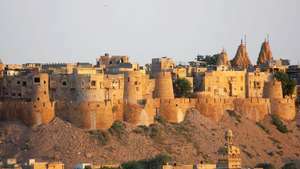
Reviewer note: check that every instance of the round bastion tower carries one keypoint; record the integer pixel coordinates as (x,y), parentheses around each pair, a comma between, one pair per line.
(135,111)
(132,87)
(273,90)
(164,86)
(284,108)
(42,109)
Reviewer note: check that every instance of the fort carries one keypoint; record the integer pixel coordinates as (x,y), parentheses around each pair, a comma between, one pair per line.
(95,96)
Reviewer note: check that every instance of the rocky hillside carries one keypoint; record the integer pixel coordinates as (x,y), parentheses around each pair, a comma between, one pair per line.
(194,140)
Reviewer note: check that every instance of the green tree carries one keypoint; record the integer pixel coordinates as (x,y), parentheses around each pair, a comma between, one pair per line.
(288,84)
(182,87)
(152,163)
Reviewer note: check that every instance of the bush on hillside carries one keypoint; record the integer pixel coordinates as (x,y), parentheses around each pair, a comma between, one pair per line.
(265,166)
(289,165)
(279,124)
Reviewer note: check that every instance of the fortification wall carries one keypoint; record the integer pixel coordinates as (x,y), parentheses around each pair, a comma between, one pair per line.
(89,115)
(213,108)
(30,113)
(253,108)
(173,110)
(139,115)
(284,108)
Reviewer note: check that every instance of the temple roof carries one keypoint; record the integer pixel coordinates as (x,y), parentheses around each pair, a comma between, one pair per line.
(241,59)
(223,58)
(265,53)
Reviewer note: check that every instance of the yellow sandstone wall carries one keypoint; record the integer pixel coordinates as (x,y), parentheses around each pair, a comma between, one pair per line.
(253,108)
(284,108)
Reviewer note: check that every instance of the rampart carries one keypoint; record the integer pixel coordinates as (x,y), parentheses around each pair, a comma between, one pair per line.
(30,113)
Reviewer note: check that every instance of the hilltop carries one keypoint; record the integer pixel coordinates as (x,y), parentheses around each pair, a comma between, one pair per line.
(196,138)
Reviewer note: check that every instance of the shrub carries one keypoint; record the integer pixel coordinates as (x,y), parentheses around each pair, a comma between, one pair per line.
(117,127)
(288,84)
(264,128)
(141,130)
(160,119)
(279,124)
(289,166)
(153,163)
(265,166)
(102,136)
(235,115)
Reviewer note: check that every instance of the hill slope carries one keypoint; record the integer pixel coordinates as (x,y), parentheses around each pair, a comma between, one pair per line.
(197,138)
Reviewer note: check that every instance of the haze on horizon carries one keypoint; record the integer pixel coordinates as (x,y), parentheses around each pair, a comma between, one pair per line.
(77,30)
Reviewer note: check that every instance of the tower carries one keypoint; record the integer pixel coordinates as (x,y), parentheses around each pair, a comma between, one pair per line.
(132,87)
(273,89)
(223,59)
(230,157)
(164,86)
(241,59)
(42,109)
(265,54)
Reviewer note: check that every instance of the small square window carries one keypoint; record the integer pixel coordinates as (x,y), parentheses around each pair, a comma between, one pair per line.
(36,80)
(24,83)
(93,83)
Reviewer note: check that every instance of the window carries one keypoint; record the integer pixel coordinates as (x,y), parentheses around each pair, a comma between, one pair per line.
(45,92)
(36,80)
(136,83)
(64,83)
(18,82)
(93,83)
(20,95)
(38,98)
(44,81)
(24,83)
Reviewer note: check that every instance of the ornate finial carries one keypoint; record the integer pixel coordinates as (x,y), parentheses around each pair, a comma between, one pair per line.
(268,37)
(245,39)
(229,137)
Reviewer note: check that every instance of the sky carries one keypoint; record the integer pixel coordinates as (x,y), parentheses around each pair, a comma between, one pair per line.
(50,31)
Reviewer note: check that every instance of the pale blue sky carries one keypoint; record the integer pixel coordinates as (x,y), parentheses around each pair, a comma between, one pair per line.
(80,30)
